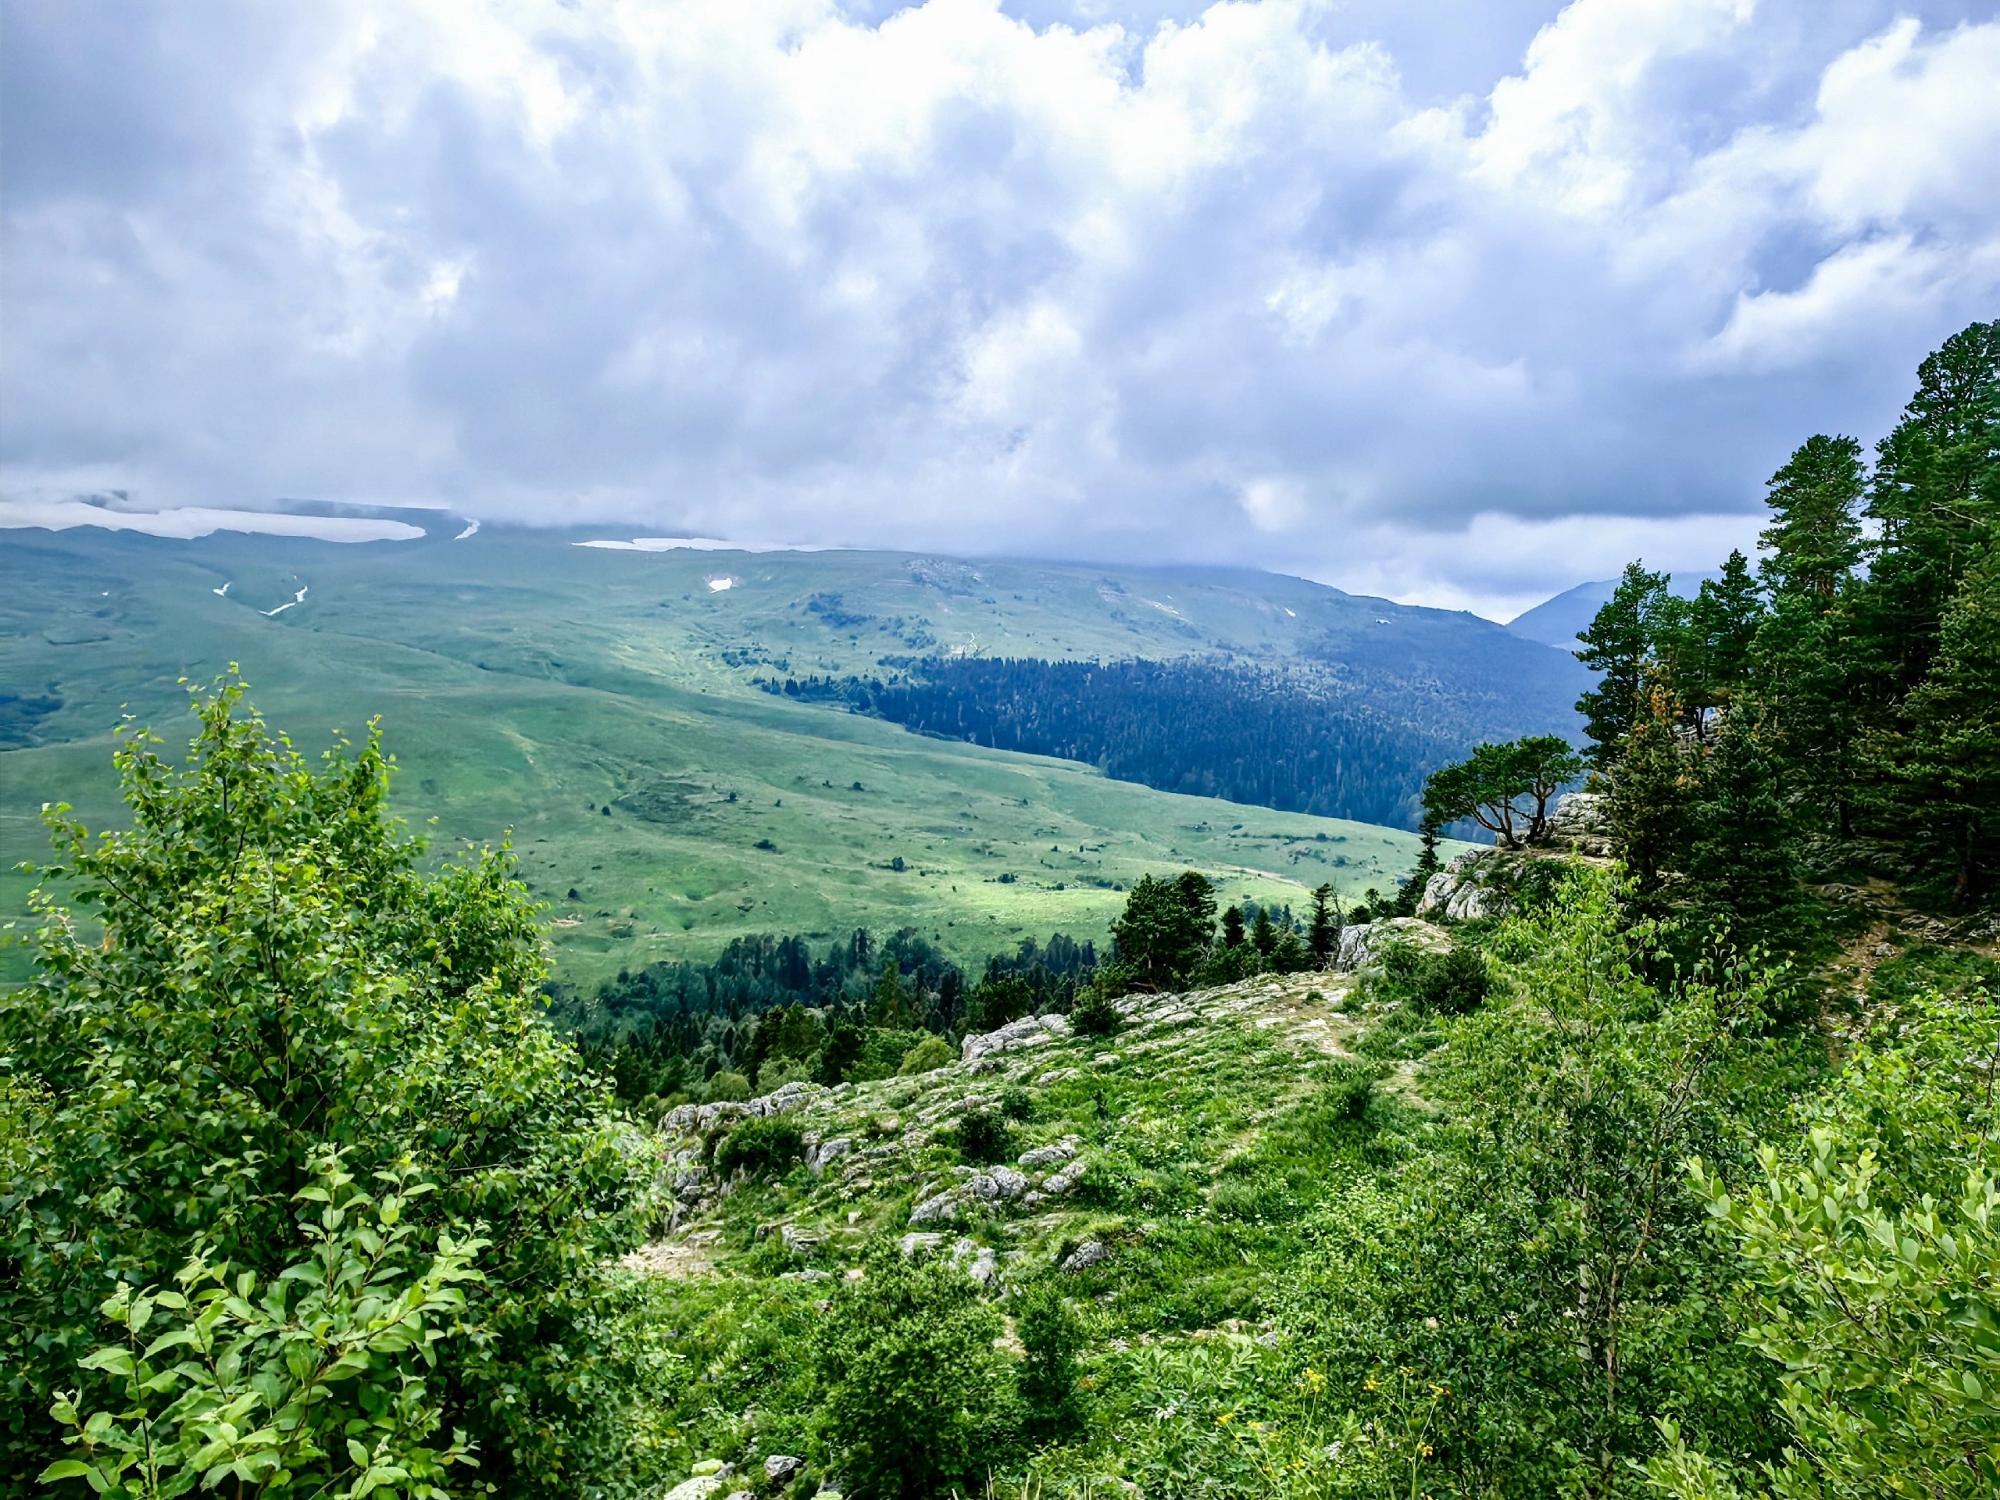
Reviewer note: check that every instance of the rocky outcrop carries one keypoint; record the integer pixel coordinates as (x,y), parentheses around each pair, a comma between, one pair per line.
(1581,824)
(1083,1257)
(698,1119)
(1363,944)
(1029,1031)
(1468,888)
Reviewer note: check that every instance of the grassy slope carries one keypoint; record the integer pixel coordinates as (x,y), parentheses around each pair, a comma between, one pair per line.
(526,684)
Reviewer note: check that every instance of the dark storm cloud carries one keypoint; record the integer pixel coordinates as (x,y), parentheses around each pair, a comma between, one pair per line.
(1460,302)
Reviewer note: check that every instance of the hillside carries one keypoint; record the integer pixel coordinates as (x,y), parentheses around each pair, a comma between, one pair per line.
(600,703)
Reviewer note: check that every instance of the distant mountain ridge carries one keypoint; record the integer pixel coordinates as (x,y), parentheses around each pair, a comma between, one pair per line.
(1558,621)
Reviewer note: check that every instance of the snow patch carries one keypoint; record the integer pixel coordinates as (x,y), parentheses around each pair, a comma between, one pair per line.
(702,544)
(721,585)
(297,599)
(471,529)
(223,592)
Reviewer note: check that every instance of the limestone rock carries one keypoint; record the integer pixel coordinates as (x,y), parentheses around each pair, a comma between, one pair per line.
(1062,1184)
(826,1153)
(1581,822)
(1083,1257)
(781,1466)
(1029,1031)
(697,1119)
(1051,1155)
(939,1209)
(980,1263)
(1000,1185)
(1362,945)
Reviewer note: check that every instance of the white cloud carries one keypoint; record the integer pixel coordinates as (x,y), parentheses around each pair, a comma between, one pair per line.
(1181,282)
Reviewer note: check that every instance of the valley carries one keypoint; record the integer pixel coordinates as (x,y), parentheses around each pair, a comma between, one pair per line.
(601,706)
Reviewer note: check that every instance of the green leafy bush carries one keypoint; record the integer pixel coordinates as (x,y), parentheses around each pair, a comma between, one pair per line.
(1052,1336)
(726,1088)
(911,1394)
(931,1053)
(983,1137)
(276,978)
(1871,1257)
(883,1049)
(231,1381)
(1453,983)
(762,1146)
(1094,1014)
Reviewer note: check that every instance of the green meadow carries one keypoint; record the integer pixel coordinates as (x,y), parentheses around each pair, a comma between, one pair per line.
(598,708)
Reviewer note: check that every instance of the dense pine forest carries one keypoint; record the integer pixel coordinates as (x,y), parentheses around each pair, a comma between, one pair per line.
(1290,739)
(1666,1167)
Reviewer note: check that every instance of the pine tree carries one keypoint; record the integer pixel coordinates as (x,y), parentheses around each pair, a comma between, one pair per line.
(1649,794)
(890,1007)
(1619,644)
(1814,539)
(1936,500)
(1742,868)
(1323,937)
(1232,927)
(1722,628)
(1950,776)
(1263,936)
(1428,864)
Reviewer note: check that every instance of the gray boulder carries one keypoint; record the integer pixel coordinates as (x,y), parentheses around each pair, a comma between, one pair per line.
(1029,1031)
(781,1466)
(1581,821)
(1083,1257)
(1362,945)
(1049,1156)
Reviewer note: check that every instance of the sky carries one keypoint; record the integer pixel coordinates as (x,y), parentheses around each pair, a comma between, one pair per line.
(1459,302)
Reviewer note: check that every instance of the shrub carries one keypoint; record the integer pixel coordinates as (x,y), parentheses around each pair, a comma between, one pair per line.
(931,1053)
(1017,1104)
(911,1394)
(1350,1087)
(726,1088)
(767,1145)
(1450,984)
(883,1049)
(280,976)
(780,1071)
(1051,1337)
(982,1137)
(240,1389)
(1095,1015)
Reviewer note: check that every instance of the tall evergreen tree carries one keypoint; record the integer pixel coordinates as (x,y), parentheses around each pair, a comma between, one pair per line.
(1650,793)
(1742,868)
(1722,628)
(1618,645)
(1232,927)
(1936,499)
(1323,937)
(1263,935)
(891,1004)
(1950,762)
(1814,539)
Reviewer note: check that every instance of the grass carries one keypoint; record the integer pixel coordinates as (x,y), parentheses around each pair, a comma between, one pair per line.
(597,707)
(1212,1132)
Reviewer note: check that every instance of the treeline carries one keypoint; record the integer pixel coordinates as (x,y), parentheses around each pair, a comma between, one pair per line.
(1284,738)
(1836,713)
(768,1011)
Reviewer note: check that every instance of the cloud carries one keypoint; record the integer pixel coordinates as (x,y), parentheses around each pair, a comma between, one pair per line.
(1461,305)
